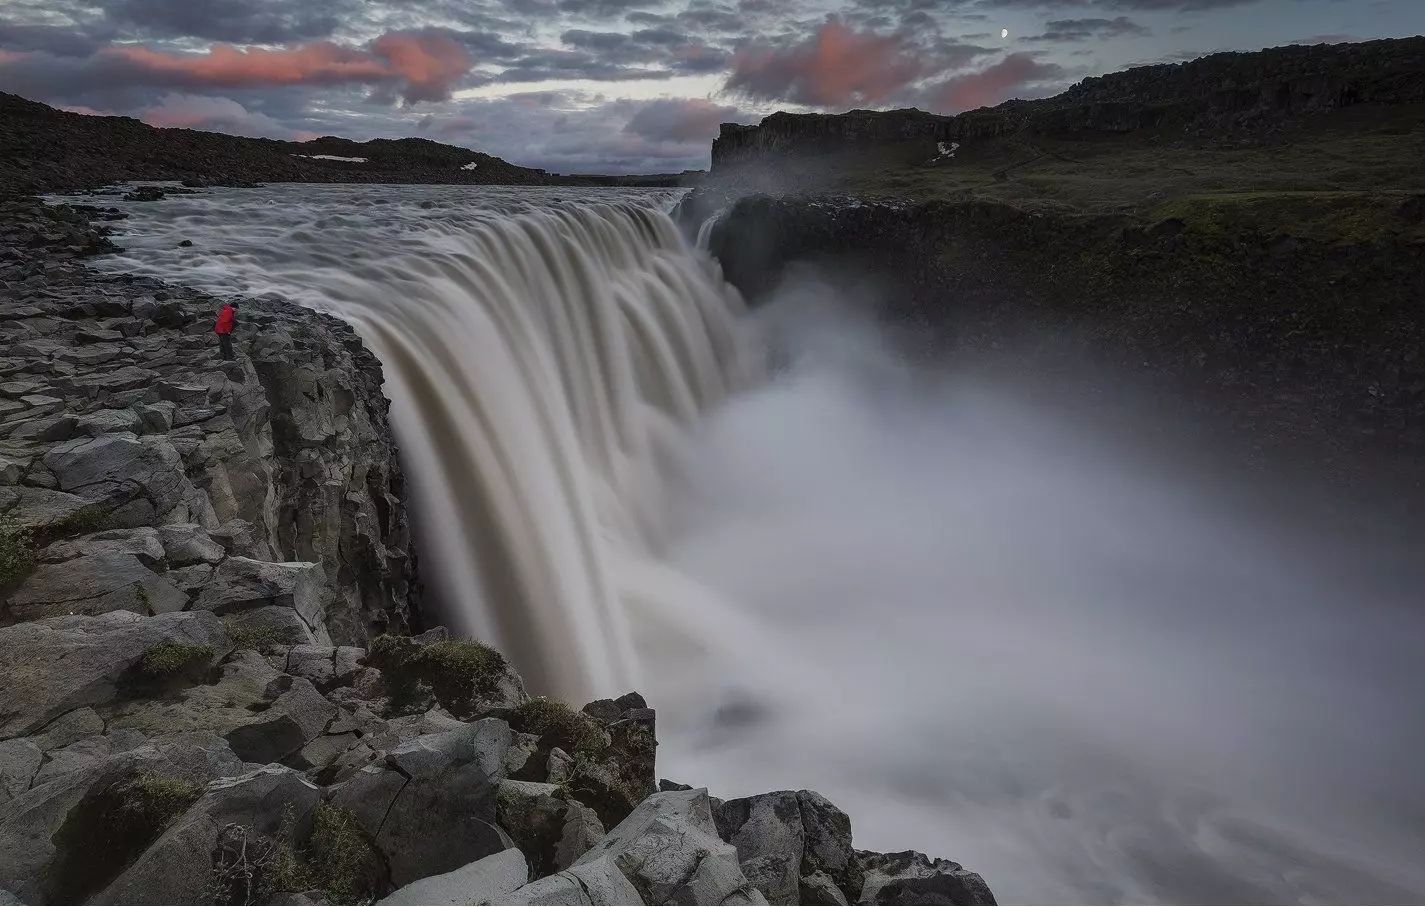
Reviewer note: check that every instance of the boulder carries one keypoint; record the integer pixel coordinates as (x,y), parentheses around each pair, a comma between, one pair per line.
(785,838)
(533,815)
(325,666)
(669,850)
(179,867)
(242,583)
(270,626)
(97,584)
(142,543)
(767,832)
(107,421)
(913,878)
(485,881)
(115,464)
(188,544)
(63,841)
(429,805)
(56,665)
(581,832)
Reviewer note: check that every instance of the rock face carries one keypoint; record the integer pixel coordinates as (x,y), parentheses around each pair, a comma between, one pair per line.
(1213,92)
(147,475)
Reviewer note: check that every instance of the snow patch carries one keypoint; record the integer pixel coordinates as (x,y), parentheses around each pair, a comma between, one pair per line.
(333,157)
(946,149)
(470,166)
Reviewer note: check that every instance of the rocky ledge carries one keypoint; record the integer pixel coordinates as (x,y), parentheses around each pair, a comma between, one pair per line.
(212,693)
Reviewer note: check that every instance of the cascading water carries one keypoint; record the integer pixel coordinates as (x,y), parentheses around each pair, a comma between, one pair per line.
(987,629)
(543,364)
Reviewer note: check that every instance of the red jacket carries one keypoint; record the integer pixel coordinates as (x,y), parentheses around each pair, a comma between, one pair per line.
(225,320)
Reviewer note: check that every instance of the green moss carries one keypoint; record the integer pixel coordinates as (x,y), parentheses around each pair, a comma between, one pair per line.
(151,800)
(557,724)
(17,551)
(255,638)
(459,673)
(339,855)
(170,658)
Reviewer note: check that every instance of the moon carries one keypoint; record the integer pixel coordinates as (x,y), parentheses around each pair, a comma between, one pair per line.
(1004,33)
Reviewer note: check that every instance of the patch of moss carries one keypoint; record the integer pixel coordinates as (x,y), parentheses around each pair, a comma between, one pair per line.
(457,672)
(17,551)
(340,856)
(557,724)
(337,858)
(109,829)
(255,638)
(169,659)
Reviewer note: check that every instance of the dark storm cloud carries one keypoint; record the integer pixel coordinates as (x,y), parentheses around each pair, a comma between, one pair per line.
(1184,6)
(1063,31)
(233,21)
(50,39)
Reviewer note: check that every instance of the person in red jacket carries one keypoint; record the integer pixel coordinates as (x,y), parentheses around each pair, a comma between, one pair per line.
(227,320)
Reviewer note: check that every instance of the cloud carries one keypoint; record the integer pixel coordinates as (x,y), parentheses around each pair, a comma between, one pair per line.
(686,120)
(835,67)
(213,115)
(1184,6)
(1064,31)
(1016,75)
(419,66)
(233,21)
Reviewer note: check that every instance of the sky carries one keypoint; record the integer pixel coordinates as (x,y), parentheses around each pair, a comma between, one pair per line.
(609,86)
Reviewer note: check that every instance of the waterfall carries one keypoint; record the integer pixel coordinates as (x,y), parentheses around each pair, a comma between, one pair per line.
(545,353)
(541,369)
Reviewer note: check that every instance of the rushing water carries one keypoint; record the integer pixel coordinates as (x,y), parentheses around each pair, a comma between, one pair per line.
(985,628)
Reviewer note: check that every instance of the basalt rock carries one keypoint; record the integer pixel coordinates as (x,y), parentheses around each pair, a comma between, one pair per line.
(1219,92)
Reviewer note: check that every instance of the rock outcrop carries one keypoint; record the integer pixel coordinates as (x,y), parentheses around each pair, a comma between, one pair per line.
(142,473)
(47,150)
(1217,93)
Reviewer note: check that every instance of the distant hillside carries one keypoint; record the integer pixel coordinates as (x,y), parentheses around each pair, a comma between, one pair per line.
(47,150)
(1328,117)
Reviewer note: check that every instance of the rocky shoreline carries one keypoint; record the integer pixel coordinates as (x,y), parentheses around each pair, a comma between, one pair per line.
(213,694)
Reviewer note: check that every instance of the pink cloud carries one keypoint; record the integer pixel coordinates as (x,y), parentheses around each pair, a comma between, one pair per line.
(992,85)
(419,66)
(835,67)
